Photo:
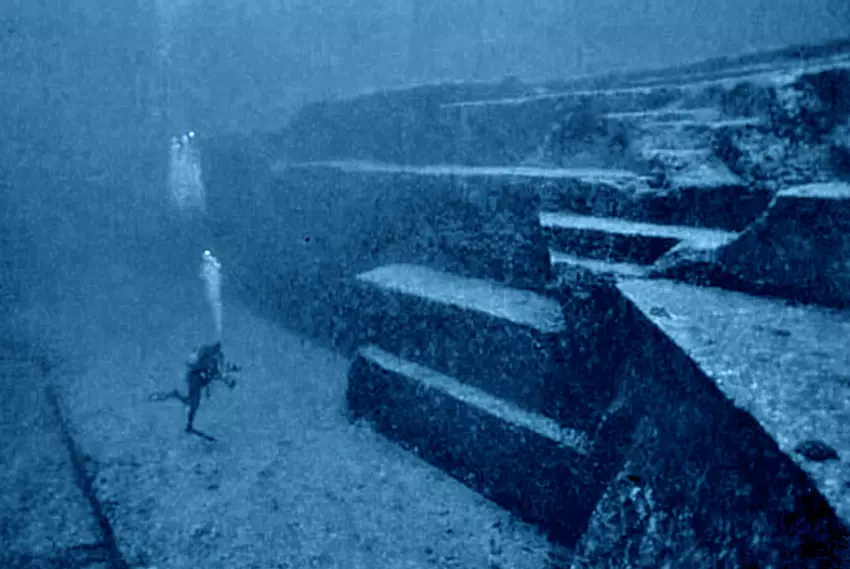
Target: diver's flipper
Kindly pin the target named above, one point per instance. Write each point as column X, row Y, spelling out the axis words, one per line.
column 206, row 437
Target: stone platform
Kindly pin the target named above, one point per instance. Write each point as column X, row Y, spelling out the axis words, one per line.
column 742, row 437
column 522, row 461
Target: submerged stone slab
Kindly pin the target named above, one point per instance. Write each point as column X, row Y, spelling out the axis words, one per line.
column 690, row 134
column 587, row 191
column 480, row 223
column 535, row 351
column 706, row 194
column 734, row 393
column 697, row 195
column 569, row 268
column 619, row 240
column 604, row 238
column 401, row 125
column 697, row 264
column 726, row 67
column 524, row 462
column 800, row 247
column 672, row 114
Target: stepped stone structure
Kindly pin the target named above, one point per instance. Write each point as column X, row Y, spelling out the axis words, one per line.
column 615, row 306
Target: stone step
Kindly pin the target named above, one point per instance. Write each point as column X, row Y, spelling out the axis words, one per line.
column 699, row 125
column 691, row 134
column 774, row 256
column 676, row 159
column 668, row 114
column 619, row 240
column 668, row 90
column 746, row 406
column 626, row 99
column 720, row 68
column 651, row 138
column 799, row 248
column 591, row 191
column 522, row 461
column 700, row 195
column 514, row 344
column 564, row 267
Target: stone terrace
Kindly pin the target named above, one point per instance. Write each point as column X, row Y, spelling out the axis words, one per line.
column 616, row 307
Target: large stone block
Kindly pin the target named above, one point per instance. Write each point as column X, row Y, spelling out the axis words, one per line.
column 472, row 221
column 705, row 196
column 799, row 248
column 522, row 461
column 738, row 460
column 540, row 353
column 618, row 240
column 590, row 191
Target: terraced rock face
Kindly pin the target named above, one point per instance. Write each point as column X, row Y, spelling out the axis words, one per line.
column 520, row 460
column 523, row 304
column 796, row 250
column 734, row 113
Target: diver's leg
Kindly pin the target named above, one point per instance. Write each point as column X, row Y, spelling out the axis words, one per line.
column 194, row 402
column 165, row 395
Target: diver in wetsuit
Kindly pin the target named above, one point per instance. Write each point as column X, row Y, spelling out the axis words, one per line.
column 206, row 365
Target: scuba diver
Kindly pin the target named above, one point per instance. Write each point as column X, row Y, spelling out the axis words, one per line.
column 206, row 365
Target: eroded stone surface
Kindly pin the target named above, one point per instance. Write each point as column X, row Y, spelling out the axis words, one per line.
column 528, row 349
column 520, row 460
column 475, row 222
column 44, row 516
column 726, row 385
column 800, row 247
column 786, row 365
column 519, row 307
